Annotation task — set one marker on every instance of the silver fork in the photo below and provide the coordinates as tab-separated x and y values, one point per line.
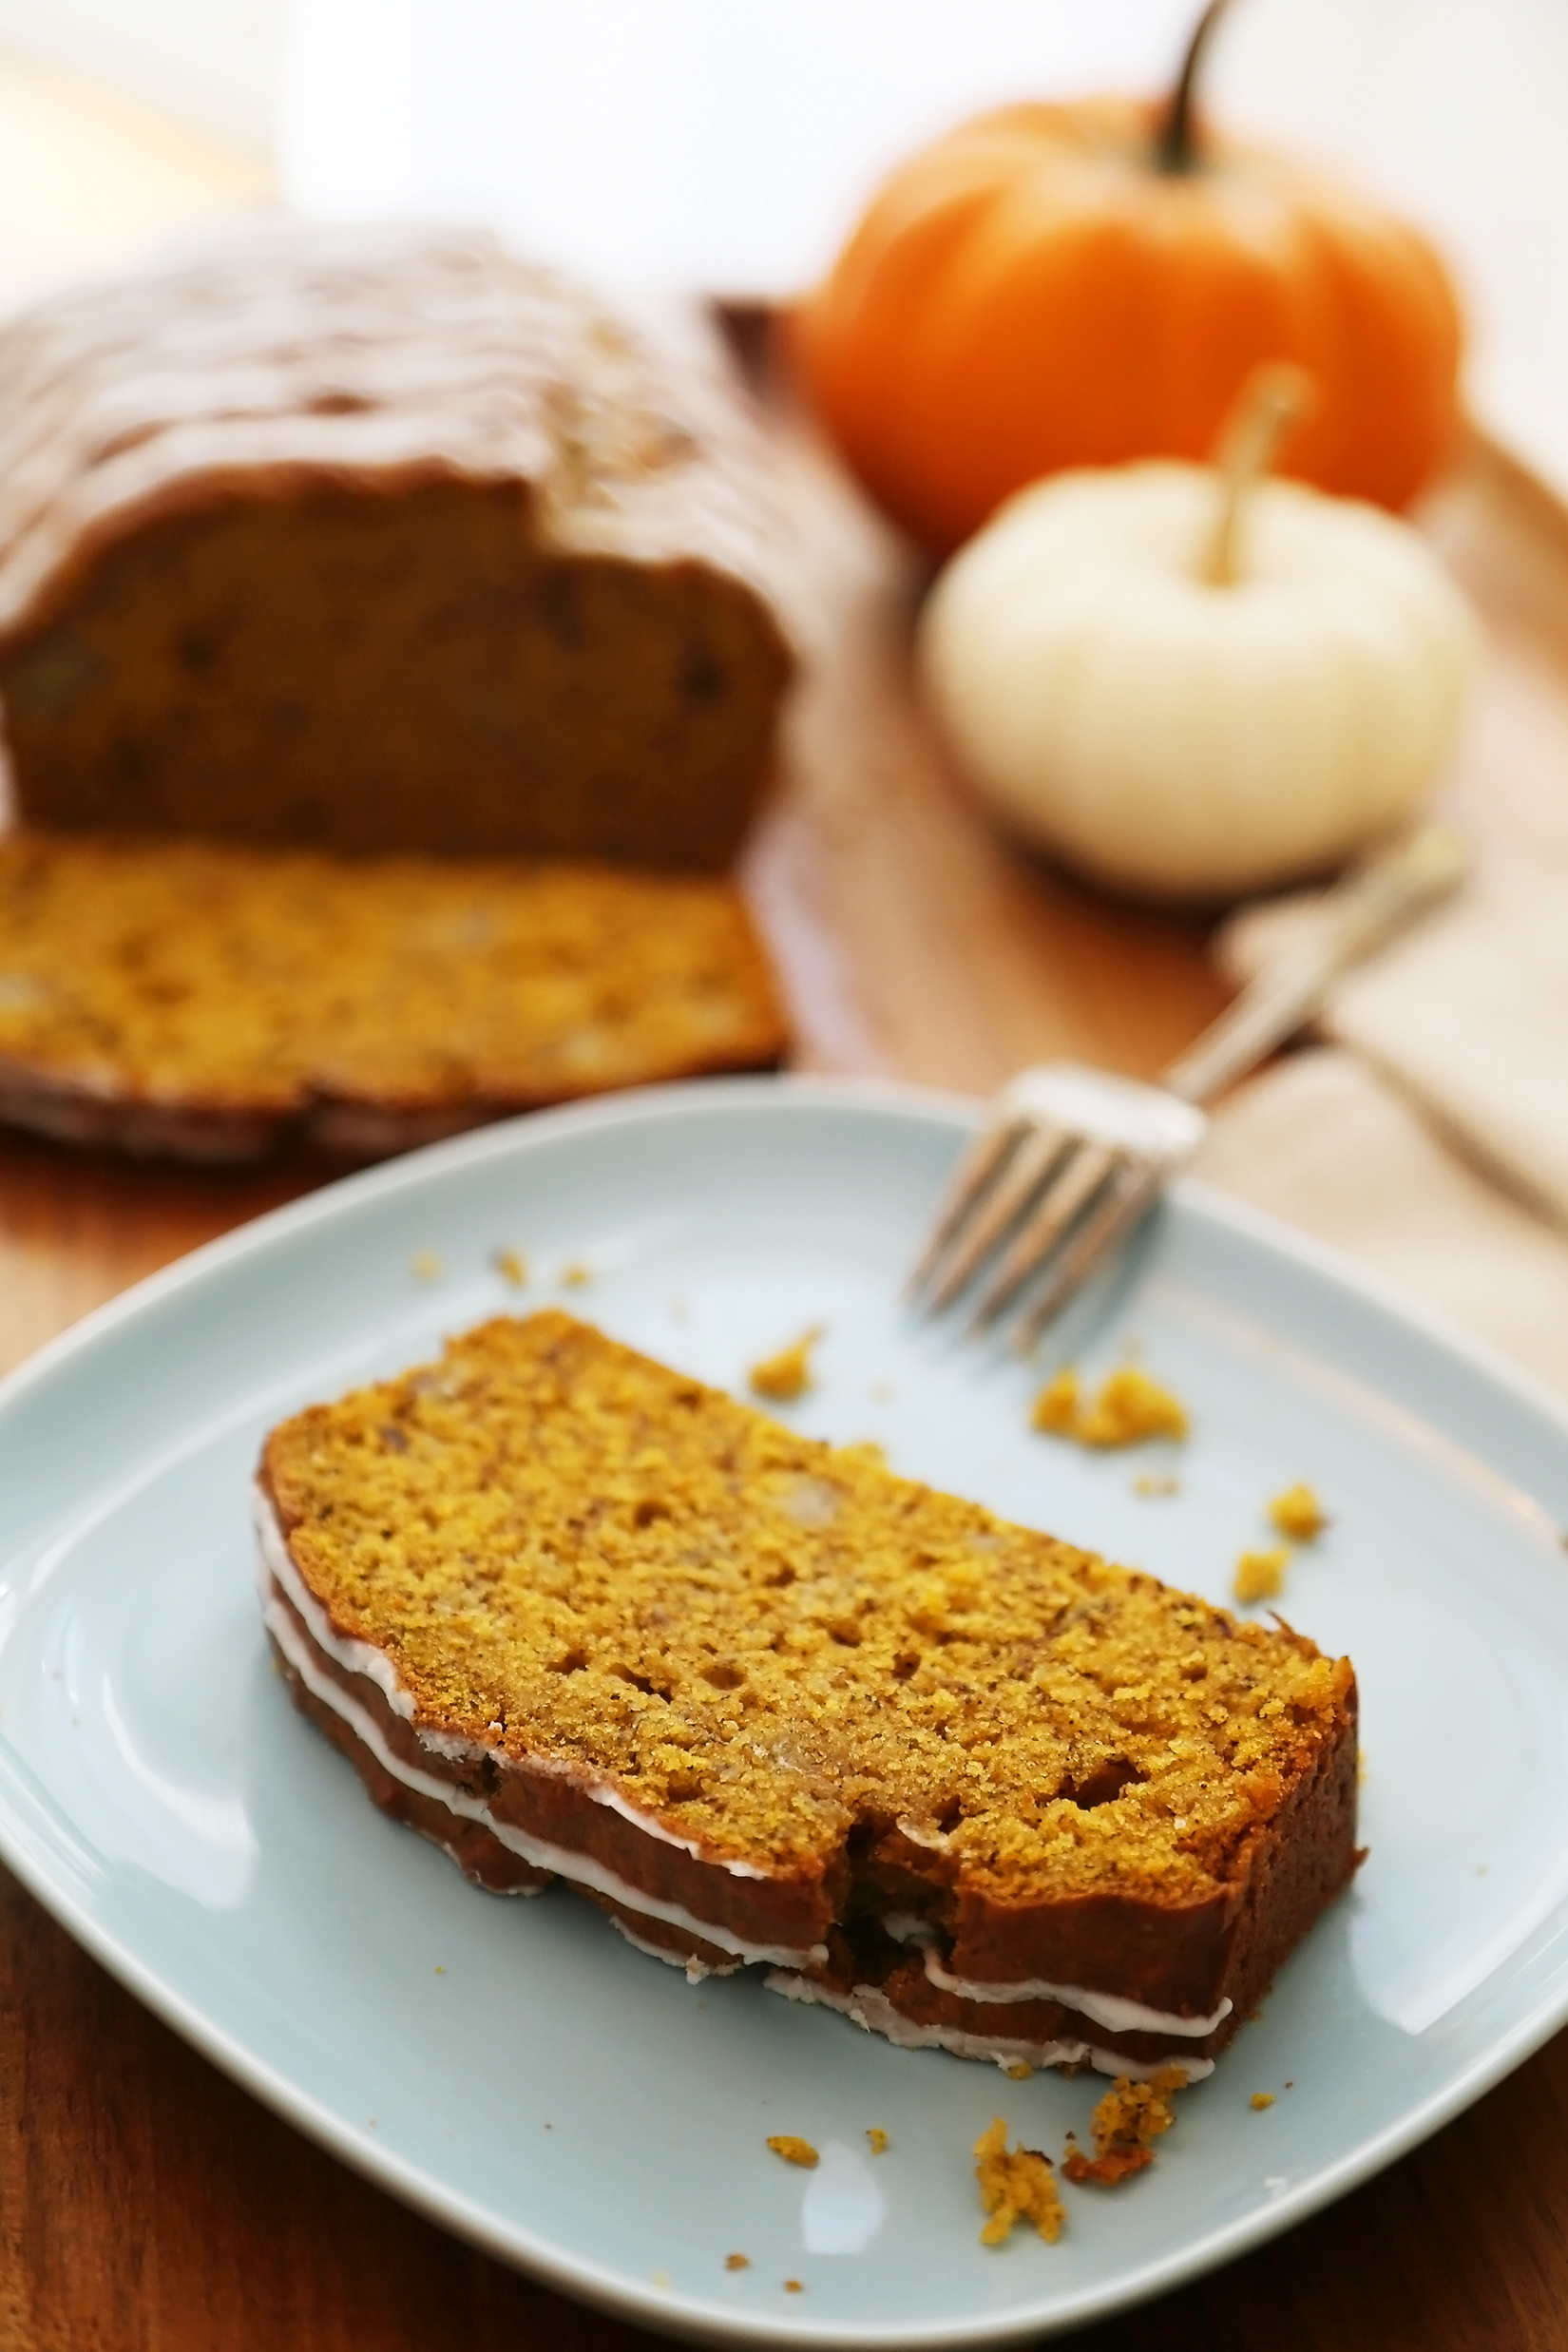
1072	1158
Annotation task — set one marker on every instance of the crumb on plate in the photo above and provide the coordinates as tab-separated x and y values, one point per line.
1015	2184
1056	1407
1126	2121
1298	1513
1156	1482
1129	1408
1260	1575
788	1374
426	1264
1020	2070
737	2261
878	2139
511	1266
1261	2099
576	1276
794	2151
793	2287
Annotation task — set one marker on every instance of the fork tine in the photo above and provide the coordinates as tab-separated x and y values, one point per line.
981	1160
1030	1166
1130	1193
1078	1177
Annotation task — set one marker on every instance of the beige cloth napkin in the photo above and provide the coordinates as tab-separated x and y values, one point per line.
1325	1142
1430	1138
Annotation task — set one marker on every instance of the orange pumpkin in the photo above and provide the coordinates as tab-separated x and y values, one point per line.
1076	285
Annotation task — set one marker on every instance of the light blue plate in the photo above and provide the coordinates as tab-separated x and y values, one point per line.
513	2068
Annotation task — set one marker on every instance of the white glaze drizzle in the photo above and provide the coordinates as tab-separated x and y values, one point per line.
906	1928
1117	2013
695	1969
869	2007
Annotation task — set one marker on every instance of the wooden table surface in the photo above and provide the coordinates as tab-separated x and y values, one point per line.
147	2204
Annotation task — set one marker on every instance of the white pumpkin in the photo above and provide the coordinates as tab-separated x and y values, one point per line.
1182	739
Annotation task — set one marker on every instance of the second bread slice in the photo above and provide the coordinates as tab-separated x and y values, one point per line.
208	1000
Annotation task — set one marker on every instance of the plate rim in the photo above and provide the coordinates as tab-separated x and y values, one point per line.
670	2311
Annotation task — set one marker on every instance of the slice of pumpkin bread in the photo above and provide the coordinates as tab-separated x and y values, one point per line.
575	1615
209	999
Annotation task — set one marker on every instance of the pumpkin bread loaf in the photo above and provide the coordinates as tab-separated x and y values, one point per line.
377	538
209	999
574	1614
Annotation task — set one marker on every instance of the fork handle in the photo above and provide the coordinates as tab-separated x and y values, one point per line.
1357	916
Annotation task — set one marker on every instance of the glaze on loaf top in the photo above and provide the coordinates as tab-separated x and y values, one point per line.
369	358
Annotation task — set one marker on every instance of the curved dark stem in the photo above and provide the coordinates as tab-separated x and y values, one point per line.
1173	149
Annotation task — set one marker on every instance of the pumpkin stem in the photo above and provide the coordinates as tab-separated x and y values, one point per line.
1272	399
1175	150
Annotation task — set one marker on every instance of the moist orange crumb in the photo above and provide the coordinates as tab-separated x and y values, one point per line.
737	2261
794	2150
1020	2070
1298	1513
1260	1575
1117	2164
1015	2184
788	1374
511	1267
1129	1408
1262	2100
878	2139
793	2287
1056	1408
1128	2118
